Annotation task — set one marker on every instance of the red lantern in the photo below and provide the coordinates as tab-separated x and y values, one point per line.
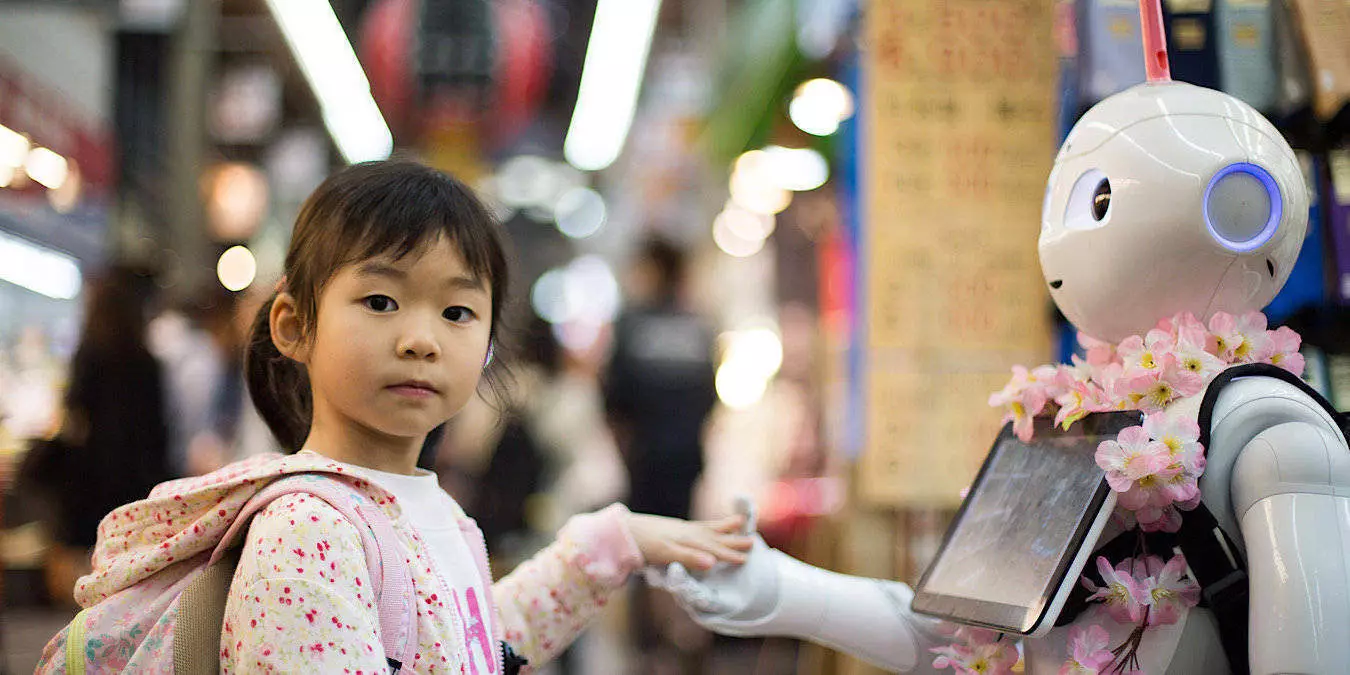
523	67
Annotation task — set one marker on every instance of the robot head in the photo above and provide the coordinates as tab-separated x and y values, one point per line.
1166	198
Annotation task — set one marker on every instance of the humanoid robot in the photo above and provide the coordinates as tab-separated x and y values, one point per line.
1165	198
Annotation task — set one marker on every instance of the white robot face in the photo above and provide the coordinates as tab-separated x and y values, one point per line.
1166	198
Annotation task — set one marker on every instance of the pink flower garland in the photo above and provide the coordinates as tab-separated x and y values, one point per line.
1153	468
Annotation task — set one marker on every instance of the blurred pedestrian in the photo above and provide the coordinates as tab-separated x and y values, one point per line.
113	432
659	390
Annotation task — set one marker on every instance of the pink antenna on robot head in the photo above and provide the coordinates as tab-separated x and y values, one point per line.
1155	41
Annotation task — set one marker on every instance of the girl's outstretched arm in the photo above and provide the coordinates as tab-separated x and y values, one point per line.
547	601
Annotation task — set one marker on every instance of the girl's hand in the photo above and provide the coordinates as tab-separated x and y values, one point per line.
696	545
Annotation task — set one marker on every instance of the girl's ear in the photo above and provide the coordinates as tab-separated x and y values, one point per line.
287	331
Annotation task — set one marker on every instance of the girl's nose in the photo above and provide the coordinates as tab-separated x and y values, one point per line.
418	343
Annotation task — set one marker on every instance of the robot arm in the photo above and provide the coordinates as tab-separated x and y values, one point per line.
1294	509
1278	479
773	594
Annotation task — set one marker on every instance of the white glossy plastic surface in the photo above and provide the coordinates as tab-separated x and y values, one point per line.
1245	408
1297	555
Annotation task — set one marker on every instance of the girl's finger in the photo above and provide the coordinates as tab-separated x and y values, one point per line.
739	542
722	551
729	524
693	558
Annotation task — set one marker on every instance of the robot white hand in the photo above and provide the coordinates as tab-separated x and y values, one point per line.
773	594
727	597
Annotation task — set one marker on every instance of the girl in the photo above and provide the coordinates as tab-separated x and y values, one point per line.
380	330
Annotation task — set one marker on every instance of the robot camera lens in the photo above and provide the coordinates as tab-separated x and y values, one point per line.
1101	200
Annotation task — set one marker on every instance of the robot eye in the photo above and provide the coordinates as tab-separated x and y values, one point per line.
1089	205
1242	207
1101	200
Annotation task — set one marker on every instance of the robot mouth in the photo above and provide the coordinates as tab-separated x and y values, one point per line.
1056	284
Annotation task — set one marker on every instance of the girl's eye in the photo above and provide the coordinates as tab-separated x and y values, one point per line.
458	314
379	303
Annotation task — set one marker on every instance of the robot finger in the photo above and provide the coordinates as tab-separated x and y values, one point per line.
745	506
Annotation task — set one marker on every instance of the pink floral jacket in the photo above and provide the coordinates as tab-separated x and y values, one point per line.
301	598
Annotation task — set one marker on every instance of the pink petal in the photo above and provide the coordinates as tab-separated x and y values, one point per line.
1168	520
1294	363
1252	322
1119	482
1132	436
1109	454
1221	322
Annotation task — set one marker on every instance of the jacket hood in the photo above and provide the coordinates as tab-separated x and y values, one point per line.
186	518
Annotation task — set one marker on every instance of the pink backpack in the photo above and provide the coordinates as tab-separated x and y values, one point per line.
189	598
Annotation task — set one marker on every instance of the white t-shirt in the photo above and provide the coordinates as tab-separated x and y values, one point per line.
434	514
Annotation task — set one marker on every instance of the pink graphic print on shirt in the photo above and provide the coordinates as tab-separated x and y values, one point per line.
475	633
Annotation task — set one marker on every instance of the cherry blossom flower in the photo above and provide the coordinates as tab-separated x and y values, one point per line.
1167	590
1079	395
977	652
1145	354
1115	386
1120	594
1185	327
1074	405
1132	455
1242	339
1180	486
1088	651
1180	434
1153	391
1024	398
1151	491
1284	344
1192	355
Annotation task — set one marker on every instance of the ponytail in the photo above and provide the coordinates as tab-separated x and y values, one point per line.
278	385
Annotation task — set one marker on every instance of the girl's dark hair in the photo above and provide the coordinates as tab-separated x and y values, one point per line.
367	210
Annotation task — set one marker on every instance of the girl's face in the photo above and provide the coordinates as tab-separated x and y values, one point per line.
399	344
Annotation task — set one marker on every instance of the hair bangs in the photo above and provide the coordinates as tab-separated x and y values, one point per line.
416	213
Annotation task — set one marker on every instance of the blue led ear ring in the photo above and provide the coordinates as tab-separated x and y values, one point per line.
1243	207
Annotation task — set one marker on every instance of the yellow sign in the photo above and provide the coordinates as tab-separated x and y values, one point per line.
960	138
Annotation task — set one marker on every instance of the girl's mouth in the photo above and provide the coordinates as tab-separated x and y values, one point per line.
414	389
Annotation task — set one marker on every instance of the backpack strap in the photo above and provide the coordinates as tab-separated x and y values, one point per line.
1216	564
75	639
201	616
390	571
